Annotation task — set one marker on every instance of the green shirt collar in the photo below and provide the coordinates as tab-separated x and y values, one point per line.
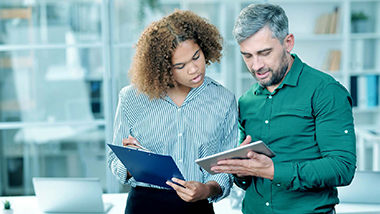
291	77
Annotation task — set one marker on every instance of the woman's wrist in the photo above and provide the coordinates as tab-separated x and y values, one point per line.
213	189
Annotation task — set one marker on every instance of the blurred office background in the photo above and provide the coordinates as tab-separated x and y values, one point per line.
62	64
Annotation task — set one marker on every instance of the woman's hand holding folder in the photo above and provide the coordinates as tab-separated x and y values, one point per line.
191	191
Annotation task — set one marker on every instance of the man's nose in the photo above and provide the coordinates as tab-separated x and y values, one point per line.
257	64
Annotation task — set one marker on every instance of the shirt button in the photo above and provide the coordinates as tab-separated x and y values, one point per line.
346	131
180	134
278	185
267	121
179	109
180	160
270	96
267	204
244	182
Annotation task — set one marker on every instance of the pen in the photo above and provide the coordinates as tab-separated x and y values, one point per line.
143	147
139	146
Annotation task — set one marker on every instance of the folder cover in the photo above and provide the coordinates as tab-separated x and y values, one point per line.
146	166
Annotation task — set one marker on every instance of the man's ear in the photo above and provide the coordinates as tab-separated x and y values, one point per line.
289	42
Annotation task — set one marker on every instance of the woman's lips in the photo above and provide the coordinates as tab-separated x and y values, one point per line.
197	79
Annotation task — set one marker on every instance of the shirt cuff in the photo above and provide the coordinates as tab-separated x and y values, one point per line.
283	174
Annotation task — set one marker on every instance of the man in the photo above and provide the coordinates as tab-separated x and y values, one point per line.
303	115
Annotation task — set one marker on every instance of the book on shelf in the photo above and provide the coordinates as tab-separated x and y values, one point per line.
354	90
321	24
365	90
334	21
373	90
327	23
16	62
12	13
333	60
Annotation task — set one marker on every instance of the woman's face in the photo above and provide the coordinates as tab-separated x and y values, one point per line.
189	65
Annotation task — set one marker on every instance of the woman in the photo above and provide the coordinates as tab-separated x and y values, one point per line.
172	108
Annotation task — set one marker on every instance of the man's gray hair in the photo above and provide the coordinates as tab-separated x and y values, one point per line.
256	16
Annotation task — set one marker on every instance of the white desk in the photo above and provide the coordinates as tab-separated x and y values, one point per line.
29	205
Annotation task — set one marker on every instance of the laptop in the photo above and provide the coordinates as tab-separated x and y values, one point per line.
70	195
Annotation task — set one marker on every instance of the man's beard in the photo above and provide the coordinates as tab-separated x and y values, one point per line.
276	76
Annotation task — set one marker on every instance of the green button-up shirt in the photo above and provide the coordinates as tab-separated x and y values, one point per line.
307	121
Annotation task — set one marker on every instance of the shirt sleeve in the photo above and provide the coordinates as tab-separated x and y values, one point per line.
229	140
335	135
121	131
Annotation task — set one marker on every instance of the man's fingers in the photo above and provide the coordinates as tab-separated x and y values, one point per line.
232	166
246	141
225	168
232	170
257	156
231	162
252	155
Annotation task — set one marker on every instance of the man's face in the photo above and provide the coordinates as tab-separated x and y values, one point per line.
266	58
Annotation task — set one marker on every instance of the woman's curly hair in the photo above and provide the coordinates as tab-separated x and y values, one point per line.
151	69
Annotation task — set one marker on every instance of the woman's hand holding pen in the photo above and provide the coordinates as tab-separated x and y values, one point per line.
192	191
132	142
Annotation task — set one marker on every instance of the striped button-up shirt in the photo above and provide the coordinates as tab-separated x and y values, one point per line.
205	124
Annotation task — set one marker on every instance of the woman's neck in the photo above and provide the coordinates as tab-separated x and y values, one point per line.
178	95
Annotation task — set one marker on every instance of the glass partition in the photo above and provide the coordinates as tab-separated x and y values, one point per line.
51	92
49	22
51	85
50	151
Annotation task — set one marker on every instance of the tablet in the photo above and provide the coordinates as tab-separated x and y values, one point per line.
238	152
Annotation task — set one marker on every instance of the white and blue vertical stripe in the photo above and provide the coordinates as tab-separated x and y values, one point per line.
206	123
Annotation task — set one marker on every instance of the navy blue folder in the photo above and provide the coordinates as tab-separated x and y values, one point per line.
146	166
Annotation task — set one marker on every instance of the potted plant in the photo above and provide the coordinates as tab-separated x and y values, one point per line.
359	22
7	207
